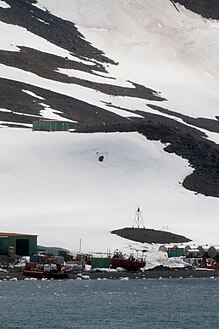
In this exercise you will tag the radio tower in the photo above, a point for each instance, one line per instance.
(138, 219)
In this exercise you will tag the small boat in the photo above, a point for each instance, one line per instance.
(128, 263)
(48, 271)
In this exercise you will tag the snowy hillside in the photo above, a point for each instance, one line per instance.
(138, 81)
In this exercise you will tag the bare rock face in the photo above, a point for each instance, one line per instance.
(206, 8)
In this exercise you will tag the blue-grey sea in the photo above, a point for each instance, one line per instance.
(110, 304)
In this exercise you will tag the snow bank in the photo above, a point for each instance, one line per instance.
(158, 258)
(155, 258)
(175, 262)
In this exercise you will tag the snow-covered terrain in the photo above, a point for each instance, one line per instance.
(173, 51)
(53, 184)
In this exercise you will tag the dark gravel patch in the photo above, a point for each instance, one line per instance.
(145, 235)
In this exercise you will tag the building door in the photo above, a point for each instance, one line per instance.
(22, 247)
(3, 245)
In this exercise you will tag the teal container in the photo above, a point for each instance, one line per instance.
(175, 252)
(50, 125)
(97, 262)
(179, 252)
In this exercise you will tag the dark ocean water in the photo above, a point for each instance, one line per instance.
(151, 303)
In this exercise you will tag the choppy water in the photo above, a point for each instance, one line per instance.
(107, 304)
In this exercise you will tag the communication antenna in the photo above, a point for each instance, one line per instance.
(138, 219)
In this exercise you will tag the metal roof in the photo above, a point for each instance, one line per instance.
(6, 234)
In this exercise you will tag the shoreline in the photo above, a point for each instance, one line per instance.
(15, 274)
(156, 274)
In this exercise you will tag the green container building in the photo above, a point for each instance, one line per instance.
(179, 252)
(18, 244)
(175, 252)
(50, 125)
(97, 262)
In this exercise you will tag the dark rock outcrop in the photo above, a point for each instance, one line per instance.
(205, 8)
(145, 235)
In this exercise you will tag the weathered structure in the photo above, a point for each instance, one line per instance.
(50, 125)
(17, 244)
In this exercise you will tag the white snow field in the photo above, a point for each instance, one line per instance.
(53, 184)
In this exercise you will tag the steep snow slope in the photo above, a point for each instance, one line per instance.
(53, 184)
(155, 45)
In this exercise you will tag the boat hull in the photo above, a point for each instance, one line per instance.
(127, 264)
(45, 274)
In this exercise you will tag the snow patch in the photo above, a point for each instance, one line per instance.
(3, 124)
(5, 110)
(4, 4)
(95, 78)
(19, 113)
(49, 113)
(13, 37)
(42, 21)
(32, 94)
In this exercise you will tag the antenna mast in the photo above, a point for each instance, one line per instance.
(138, 219)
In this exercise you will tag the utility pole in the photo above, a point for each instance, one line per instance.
(80, 246)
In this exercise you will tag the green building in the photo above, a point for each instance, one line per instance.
(50, 125)
(18, 244)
